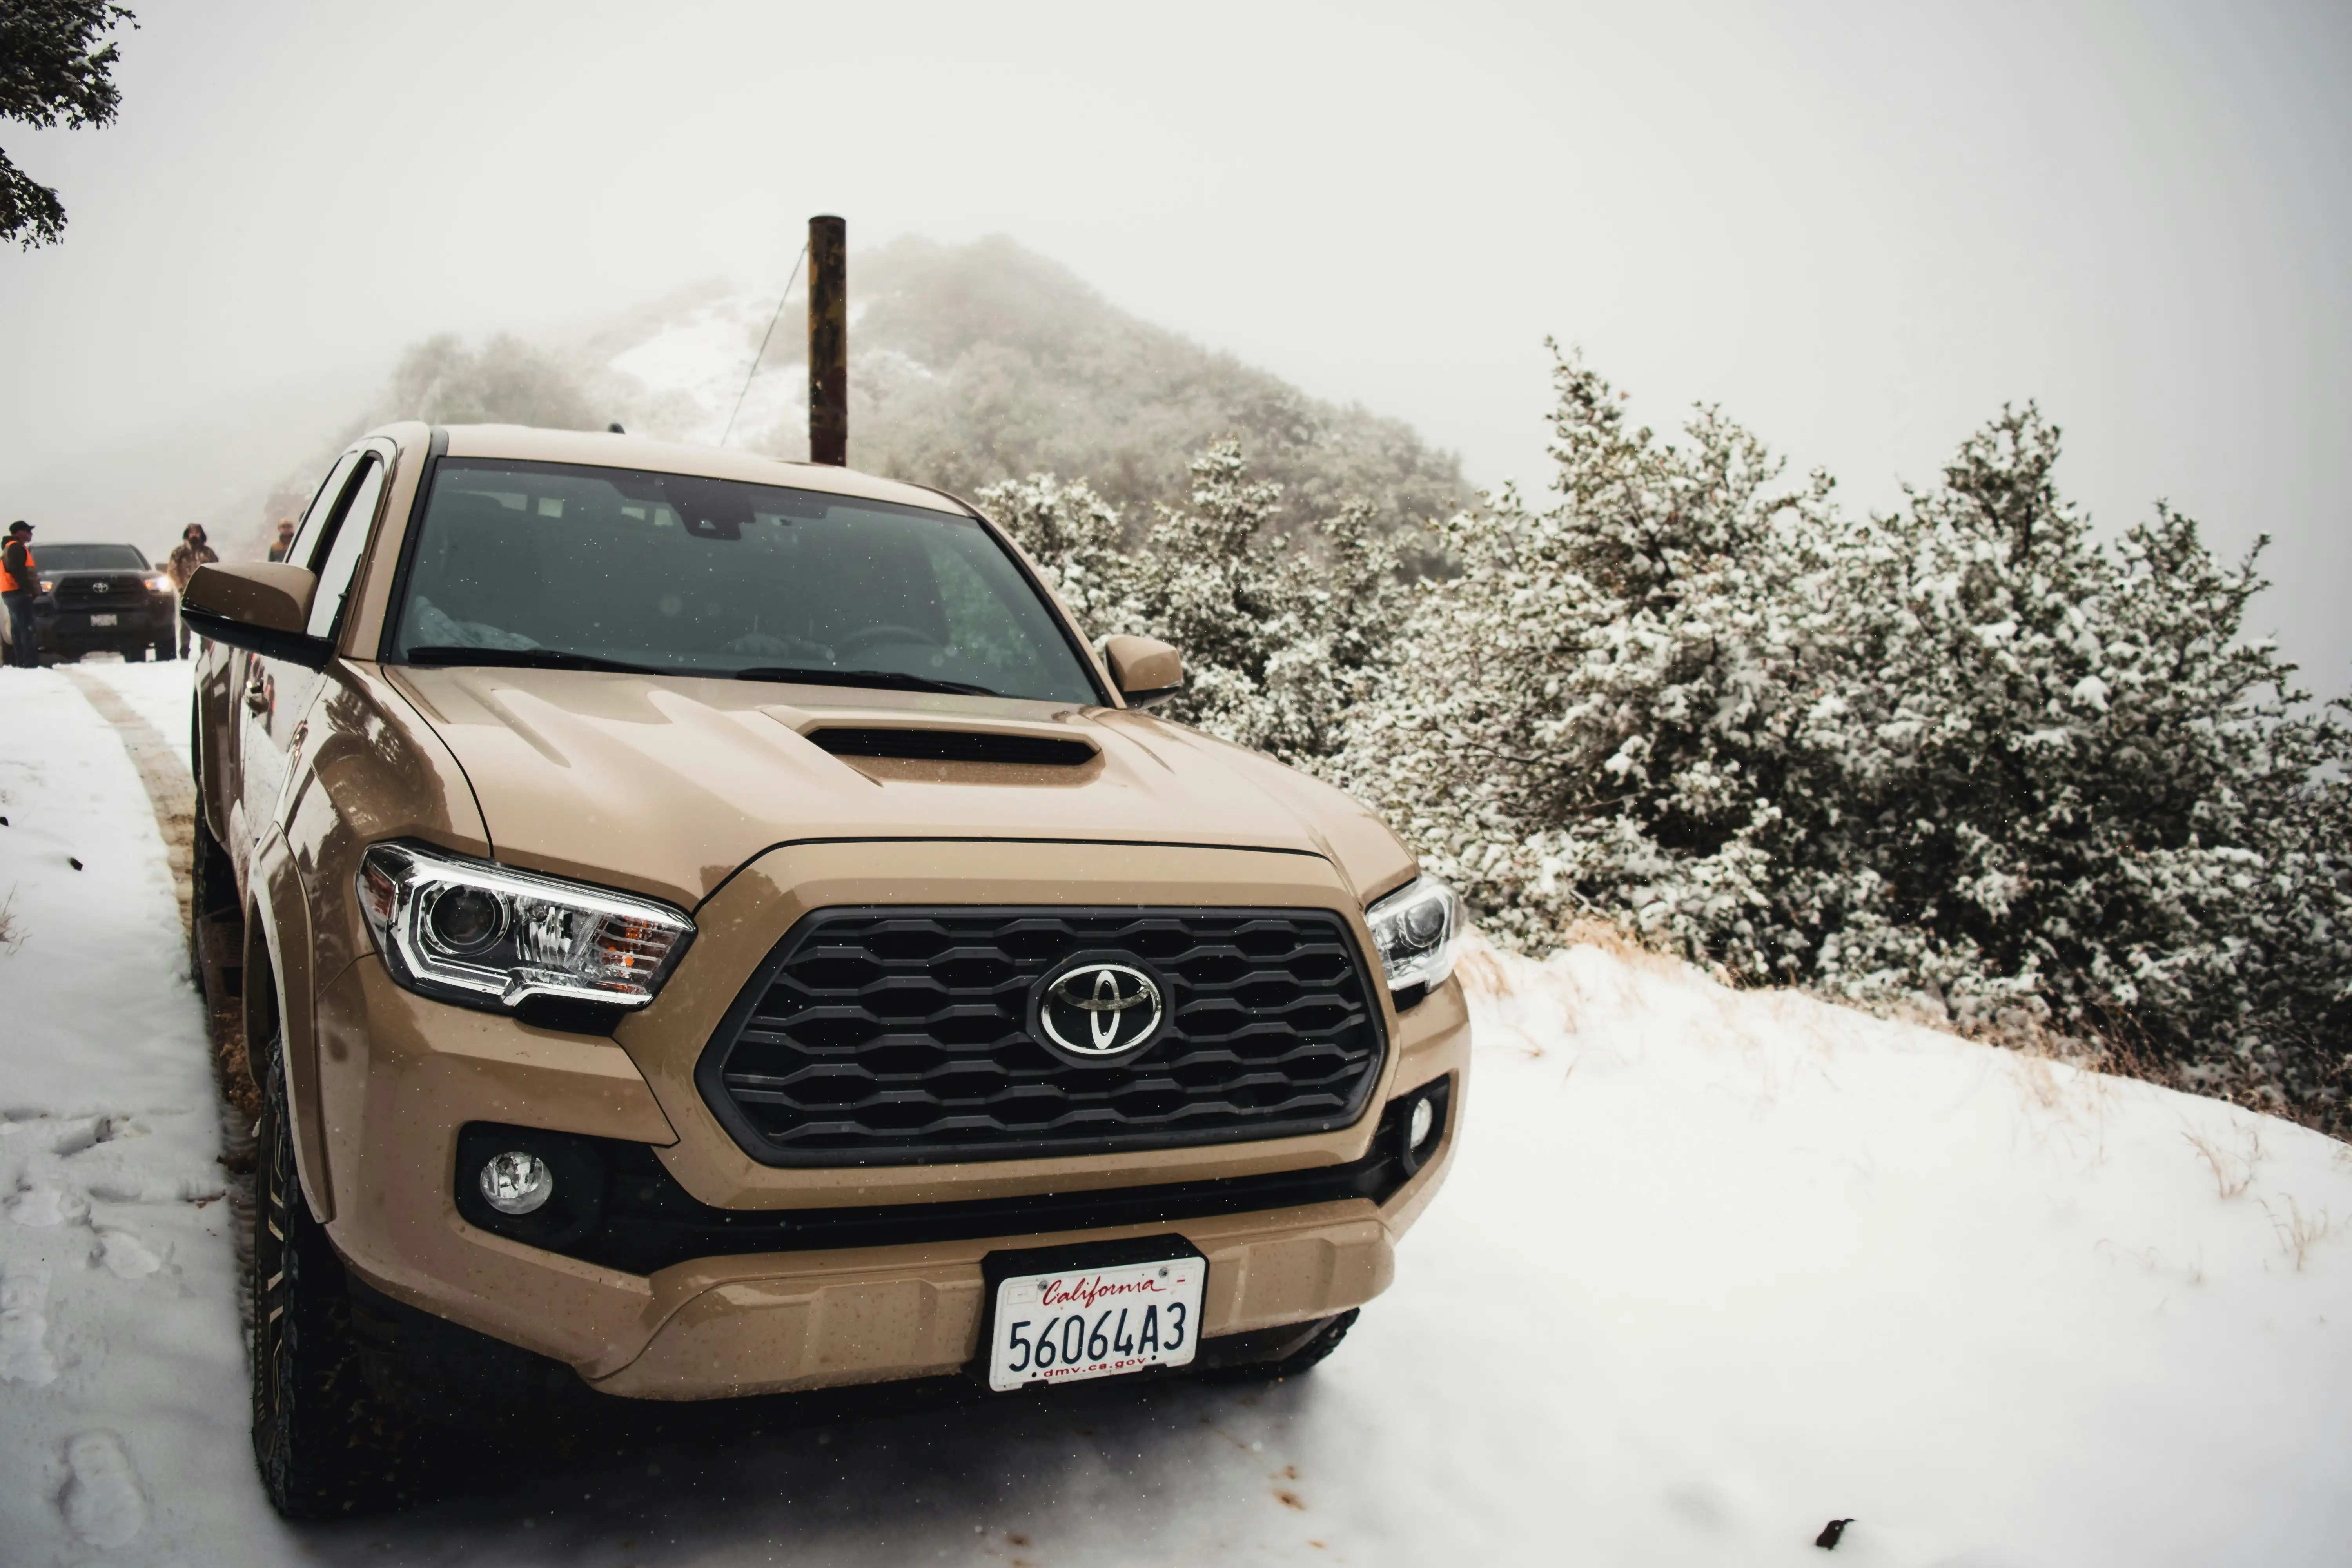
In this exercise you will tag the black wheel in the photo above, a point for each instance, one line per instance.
(1302, 1357)
(327, 1444)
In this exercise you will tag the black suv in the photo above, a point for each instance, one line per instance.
(97, 597)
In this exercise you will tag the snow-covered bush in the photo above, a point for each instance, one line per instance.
(1964, 754)
(1605, 712)
(1277, 642)
(2066, 762)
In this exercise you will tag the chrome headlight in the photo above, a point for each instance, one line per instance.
(1414, 928)
(470, 931)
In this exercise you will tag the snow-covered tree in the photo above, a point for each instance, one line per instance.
(1277, 643)
(506, 381)
(1964, 755)
(2066, 763)
(1604, 713)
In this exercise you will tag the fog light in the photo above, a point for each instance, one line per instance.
(517, 1181)
(1417, 1129)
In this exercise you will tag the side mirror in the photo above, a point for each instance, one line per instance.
(1146, 671)
(260, 606)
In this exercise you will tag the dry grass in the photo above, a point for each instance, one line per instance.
(1480, 969)
(11, 939)
(2123, 1055)
(2038, 1079)
(1618, 941)
(2298, 1232)
(2233, 1169)
(2115, 1053)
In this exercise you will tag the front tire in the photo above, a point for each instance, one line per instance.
(326, 1444)
(1300, 1361)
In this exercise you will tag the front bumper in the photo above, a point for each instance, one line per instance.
(401, 1076)
(135, 626)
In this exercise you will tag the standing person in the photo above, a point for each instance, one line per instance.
(191, 553)
(19, 581)
(285, 539)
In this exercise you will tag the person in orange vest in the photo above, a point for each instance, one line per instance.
(19, 582)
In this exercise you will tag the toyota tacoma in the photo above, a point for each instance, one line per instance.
(711, 927)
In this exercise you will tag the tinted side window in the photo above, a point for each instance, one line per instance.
(344, 543)
(323, 506)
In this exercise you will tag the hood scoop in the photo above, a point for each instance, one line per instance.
(929, 745)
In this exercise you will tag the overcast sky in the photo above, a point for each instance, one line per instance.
(1861, 229)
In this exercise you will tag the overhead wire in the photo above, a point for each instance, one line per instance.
(750, 374)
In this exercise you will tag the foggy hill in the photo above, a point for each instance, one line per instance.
(984, 361)
(969, 364)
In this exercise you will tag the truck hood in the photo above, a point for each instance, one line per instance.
(664, 785)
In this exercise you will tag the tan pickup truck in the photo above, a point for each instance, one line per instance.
(713, 929)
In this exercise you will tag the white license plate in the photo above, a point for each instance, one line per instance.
(102, 620)
(1069, 1325)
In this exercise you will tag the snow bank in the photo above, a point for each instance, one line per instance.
(1713, 1269)
(1808, 1264)
(122, 1361)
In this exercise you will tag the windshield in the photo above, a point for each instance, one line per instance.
(573, 566)
(89, 558)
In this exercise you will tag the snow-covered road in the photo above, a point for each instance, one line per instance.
(1713, 1269)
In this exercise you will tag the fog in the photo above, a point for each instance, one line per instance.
(1859, 228)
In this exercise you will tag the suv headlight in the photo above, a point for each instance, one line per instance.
(1414, 929)
(470, 931)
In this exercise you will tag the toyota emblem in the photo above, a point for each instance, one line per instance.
(1099, 1009)
(101, 587)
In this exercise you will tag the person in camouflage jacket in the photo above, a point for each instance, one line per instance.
(191, 553)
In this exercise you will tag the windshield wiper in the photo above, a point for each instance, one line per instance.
(889, 679)
(531, 659)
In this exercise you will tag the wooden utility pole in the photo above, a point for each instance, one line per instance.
(828, 328)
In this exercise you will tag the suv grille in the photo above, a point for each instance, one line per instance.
(100, 591)
(900, 1035)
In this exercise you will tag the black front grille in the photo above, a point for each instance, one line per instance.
(901, 1036)
(955, 746)
(99, 592)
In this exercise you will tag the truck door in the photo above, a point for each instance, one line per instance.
(330, 541)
